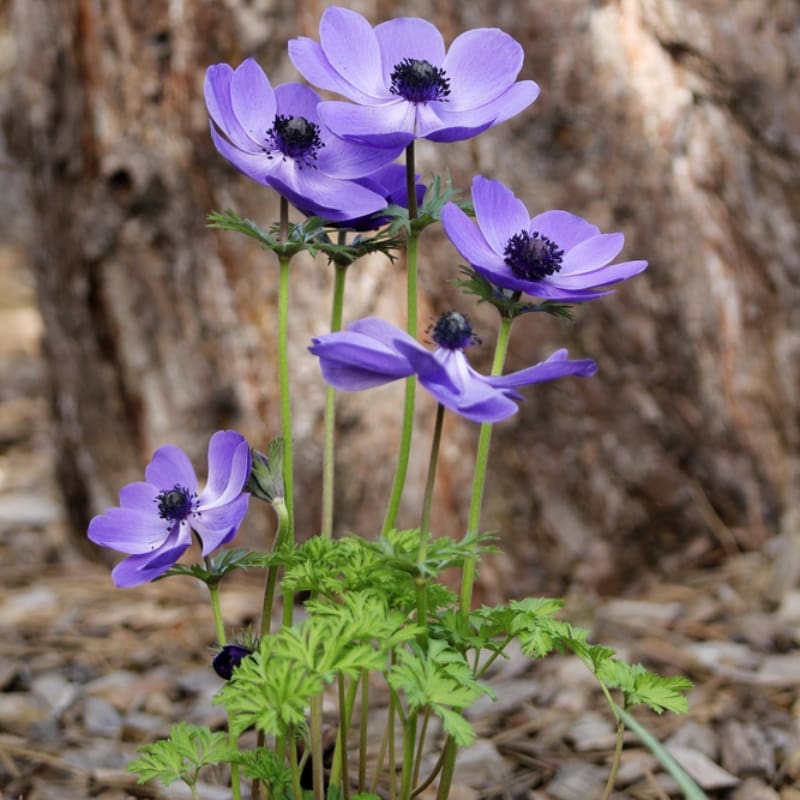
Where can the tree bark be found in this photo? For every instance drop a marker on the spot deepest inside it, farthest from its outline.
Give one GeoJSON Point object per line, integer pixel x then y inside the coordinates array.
{"type": "Point", "coordinates": [673, 121]}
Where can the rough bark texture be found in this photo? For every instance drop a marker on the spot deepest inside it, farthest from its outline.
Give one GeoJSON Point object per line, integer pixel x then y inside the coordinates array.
{"type": "Point", "coordinates": [676, 122]}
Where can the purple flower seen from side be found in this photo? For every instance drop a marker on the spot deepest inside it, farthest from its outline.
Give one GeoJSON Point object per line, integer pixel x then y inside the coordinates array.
{"type": "Point", "coordinates": [390, 182]}
{"type": "Point", "coordinates": [155, 518]}
{"type": "Point", "coordinates": [275, 137]}
{"type": "Point", "coordinates": [405, 84]}
{"type": "Point", "coordinates": [372, 352]}
{"type": "Point", "coordinates": [556, 255]}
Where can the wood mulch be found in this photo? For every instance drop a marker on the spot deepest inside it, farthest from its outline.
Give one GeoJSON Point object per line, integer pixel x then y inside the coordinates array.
{"type": "Point", "coordinates": [89, 672]}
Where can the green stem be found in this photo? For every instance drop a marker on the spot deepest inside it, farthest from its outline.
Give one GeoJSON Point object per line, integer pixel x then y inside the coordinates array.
{"type": "Point", "coordinates": [612, 775]}
{"type": "Point", "coordinates": [420, 747]}
{"type": "Point", "coordinates": [407, 429]}
{"type": "Point", "coordinates": [272, 573]}
{"type": "Point", "coordinates": [213, 591]}
{"type": "Point", "coordinates": [318, 768]}
{"type": "Point", "coordinates": [340, 766]}
{"type": "Point", "coordinates": [293, 765]}
{"type": "Point", "coordinates": [448, 768]}
{"type": "Point", "coordinates": [285, 398]}
{"type": "Point", "coordinates": [421, 581]}
{"type": "Point", "coordinates": [363, 728]}
{"type": "Point", "coordinates": [409, 739]}
{"type": "Point", "coordinates": [479, 476]}
{"type": "Point", "coordinates": [329, 462]}
{"type": "Point", "coordinates": [288, 610]}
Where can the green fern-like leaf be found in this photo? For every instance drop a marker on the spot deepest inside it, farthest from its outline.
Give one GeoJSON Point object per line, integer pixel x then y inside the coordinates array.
{"type": "Point", "coordinates": [181, 756]}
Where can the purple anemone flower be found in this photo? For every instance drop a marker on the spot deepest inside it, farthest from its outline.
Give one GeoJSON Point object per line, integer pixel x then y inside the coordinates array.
{"type": "Point", "coordinates": [405, 84]}
{"type": "Point", "coordinates": [155, 517]}
{"type": "Point", "coordinates": [275, 137]}
{"type": "Point", "coordinates": [372, 352]}
{"type": "Point", "coordinates": [556, 255]}
{"type": "Point", "coordinates": [390, 182]}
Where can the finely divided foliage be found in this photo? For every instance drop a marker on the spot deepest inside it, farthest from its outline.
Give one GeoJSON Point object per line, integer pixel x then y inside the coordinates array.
{"type": "Point", "coordinates": [342, 615]}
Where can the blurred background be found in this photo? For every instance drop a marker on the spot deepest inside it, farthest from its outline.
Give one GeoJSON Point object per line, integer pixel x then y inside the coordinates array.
{"type": "Point", "coordinates": [677, 122]}
{"type": "Point", "coordinates": [661, 497]}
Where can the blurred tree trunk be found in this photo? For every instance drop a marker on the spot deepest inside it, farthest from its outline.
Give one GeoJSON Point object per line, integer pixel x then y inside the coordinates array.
{"type": "Point", "coordinates": [675, 121]}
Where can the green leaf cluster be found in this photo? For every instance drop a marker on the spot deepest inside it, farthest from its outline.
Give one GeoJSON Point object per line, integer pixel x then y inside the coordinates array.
{"type": "Point", "coordinates": [311, 235]}
{"type": "Point", "coordinates": [507, 302]}
{"type": "Point", "coordinates": [188, 749]}
{"type": "Point", "coordinates": [439, 679]}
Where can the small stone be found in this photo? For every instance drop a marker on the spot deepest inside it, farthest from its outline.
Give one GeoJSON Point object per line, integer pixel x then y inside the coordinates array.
{"type": "Point", "coordinates": [754, 789]}
{"type": "Point", "coordinates": [585, 781]}
{"type": "Point", "coordinates": [696, 737]}
{"type": "Point", "coordinates": [100, 718]}
{"type": "Point", "coordinates": [705, 772]}
{"type": "Point", "coordinates": [19, 711]}
{"type": "Point", "coordinates": [592, 731]}
{"type": "Point", "coordinates": [480, 765]}
{"type": "Point", "coordinates": [56, 691]}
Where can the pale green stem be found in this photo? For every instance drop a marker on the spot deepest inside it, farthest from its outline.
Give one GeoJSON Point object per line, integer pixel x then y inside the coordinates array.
{"type": "Point", "coordinates": [213, 591]}
{"type": "Point", "coordinates": [288, 610]}
{"type": "Point", "coordinates": [329, 462]}
{"type": "Point", "coordinates": [272, 572]}
{"type": "Point", "coordinates": [285, 397]}
{"type": "Point", "coordinates": [407, 428]}
{"type": "Point", "coordinates": [340, 766]}
{"type": "Point", "coordinates": [266, 607]}
{"type": "Point", "coordinates": [421, 581]}
{"type": "Point", "coordinates": [293, 765]}
{"type": "Point", "coordinates": [612, 775]}
{"type": "Point", "coordinates": [479, 476]}
{"type": "Point", "coordinates": [409, 739]}
{"type": "Point", "coordinates": [420, 747]}
{"type": "Point", "coordinates": [318, 768]}
{"type": "Point", "coordinates": [363, 728]}
{"type": "Point", "coordinates": [448, 768]}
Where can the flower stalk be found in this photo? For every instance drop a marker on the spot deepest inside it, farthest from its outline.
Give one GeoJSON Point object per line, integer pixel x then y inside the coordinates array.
{"type": "Point", "coordinates": [407, 428]}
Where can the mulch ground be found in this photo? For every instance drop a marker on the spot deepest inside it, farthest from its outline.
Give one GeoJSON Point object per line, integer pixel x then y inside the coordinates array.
{"type": "Point", "coordinates": [88, 672]}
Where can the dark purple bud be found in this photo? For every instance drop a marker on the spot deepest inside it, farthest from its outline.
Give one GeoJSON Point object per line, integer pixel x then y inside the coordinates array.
{"type": "Point", "coordinates": [226, 661]}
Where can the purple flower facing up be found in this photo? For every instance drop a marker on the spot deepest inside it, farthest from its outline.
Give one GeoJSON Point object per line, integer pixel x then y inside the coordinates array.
{"type": "Point", "coordinates": [155, 517]}
{"type": "Point", "coordinates": [556, 255]}
{"type": "Point", "coordinates": [275, 137]}
{"type": "Point", "coordinates": [372, 352]}
{"type": "Point", "coordinates": [405, 84]}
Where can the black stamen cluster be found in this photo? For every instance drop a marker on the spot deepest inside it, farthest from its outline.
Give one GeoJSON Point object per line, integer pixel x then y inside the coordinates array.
{"type": "Point", "coordinates": [294, 137]}
{"type": "Point", "coordinates": [453, 331]}
{"type": "Point", "coordinates": [175, 503]}
{"type": "Point", "coordinates": [418, 81]}
{"type": "Point", "coordinates": [532, 256]}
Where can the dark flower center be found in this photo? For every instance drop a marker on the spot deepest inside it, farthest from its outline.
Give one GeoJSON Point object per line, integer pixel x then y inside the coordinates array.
{"type": "Point", "coordinates": [418, 81]}
{"type": "Point", "coordinates": [453, 331]}
{"type": "Point", "coordinates": [175, 504]}
{"type": "Point", "coordinates": [532, 256]}
{"type": "Point", "coordinates": [295, 138]}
